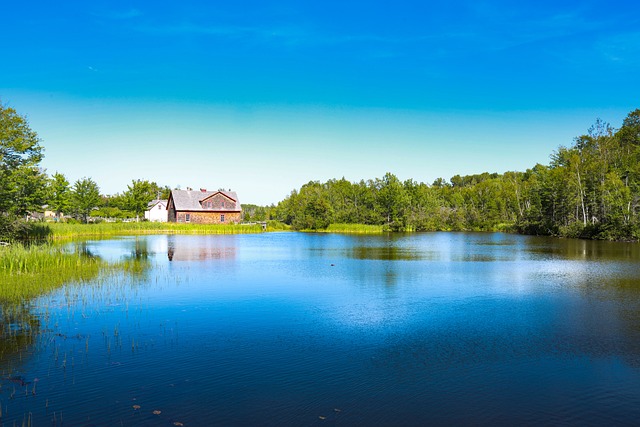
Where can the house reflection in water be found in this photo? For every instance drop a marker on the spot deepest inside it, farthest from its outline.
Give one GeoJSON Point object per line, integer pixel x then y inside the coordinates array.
{"type": "Point", "coordinates": [200, 248]}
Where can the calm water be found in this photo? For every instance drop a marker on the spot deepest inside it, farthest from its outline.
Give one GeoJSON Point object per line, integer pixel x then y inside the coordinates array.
{"type": "Point", "coordinates": [318, 329]}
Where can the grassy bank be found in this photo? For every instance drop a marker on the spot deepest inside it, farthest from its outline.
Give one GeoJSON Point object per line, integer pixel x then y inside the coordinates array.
{"type": "Point", "coordinates": [68, 231]}
{"type": "Point", "coordinates": [28, 272]}
{"type": "Point", "coordinates": [354, 229]}
{"type": "Point", "coordinates": [379, 229]}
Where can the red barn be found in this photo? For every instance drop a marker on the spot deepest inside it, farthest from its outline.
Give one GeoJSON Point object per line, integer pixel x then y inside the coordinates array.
{"type": "Point", "coordinates": [204, 207]}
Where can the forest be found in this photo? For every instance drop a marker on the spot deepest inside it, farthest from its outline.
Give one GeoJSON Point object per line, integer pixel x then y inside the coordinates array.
{"type": "Point", "coordinates": [588, 190]}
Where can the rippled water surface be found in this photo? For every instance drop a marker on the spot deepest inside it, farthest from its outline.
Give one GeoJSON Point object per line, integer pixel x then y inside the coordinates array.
{"type": "Point", "coordinates": [321, 329]}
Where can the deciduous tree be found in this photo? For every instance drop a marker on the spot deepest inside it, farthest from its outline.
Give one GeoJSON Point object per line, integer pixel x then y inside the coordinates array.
{"type": "Point", "coordinates": [85, 197]}
{"type": "Point", "coordinates": [59, 194]}
{"type": "Point", "coordinates": [22, 182]}
{"type": "Point", "coordinates": [138, 196]}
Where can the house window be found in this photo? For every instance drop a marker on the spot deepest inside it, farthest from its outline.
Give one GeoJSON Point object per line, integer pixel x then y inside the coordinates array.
{"type": "Point", "coordinates": [221, 218]}
{"type": "Point", "coordinates": [223, 203]}
{"type": "Point", "coordinates": [159, 207]}
{"type": "Point", "coordinates": [187, 217]}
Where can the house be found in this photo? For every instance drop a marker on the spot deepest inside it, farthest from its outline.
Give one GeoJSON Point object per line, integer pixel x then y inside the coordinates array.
{"type": "Point", "coordinates": [45, 214]}
{"type": "Point", "coordinates": [156, 211]}
{"type": "Point", "coordinates": [204, 207]}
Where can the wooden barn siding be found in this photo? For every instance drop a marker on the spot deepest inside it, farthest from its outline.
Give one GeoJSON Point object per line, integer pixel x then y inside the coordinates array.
{"type": "Point", "coordinates": [217, 200]}
{"type": "Point", "coordinates": [210, 217]}
{"type": "Point", "coordinates": [171, 215]}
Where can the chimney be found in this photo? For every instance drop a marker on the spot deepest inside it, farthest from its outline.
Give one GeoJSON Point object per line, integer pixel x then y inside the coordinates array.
{"type": "Point", "coordinates": [204, 190]}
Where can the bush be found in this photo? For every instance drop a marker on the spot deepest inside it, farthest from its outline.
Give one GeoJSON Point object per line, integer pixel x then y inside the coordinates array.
{"type": "Point", "coordinates": [273, 225]}
{"type": "Point", "coordinates": [14, 229]}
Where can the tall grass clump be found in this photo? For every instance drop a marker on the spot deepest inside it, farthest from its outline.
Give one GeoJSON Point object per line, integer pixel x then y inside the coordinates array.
{"type": "Point", "coordinates": [355, 229]}
{"type": "Point", "coordinates": [14, 229]}
{"type": "Point", "coordinates": [273, 225]}
{"type": "Point", "coordinates": [28, 272]}
{"type": "Point", "coordinates": [68, 231]}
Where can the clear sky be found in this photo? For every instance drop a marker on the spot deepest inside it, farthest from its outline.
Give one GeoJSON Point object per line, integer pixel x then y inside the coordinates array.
{"type": "Point", "coordinates": [262, 97]}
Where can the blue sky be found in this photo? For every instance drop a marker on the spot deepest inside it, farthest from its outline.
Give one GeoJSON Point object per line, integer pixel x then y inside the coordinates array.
{"type": "Point", "coordinates": [262, 97]}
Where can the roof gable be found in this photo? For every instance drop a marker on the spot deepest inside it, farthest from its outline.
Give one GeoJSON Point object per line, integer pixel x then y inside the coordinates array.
{"type": "Point", "coordinates": [152, 204]}
{"type": "Point", "coordinates": [190, 200]}
{"type": "Point", "coordinates": [225, 194]}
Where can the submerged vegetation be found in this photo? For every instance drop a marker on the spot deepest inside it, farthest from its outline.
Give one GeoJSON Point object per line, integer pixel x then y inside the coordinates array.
{"type": "Point", "coordinates": [589, 190]}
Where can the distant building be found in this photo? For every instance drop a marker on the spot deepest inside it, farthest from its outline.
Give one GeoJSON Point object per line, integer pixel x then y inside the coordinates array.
{"type": "Point", "coordinates": [204, 207]}
{"type": "Point", "coordinates": [156, 211]}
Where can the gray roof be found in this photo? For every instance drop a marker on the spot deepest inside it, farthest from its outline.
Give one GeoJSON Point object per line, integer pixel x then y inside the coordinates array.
{"type": "Point", "coordinates": [155, 202]}
{"type": "Point", "coordinates": [189, 200]}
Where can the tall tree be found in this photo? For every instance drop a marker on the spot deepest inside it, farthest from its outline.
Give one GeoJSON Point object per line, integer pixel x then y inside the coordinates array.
{"type": "Point", "coordinates": [22, 182]}
{"type": "Point", "coordinates": [59, 194]}
{"type": "Point", "coordinates": [138, 196]}
{"type": "Point", "coordinates": [85, 197]}
{"type": "Point", "coordinates": [393, 201]}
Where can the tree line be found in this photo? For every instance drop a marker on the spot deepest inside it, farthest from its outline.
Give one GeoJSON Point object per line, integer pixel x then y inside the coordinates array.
{"type": "Point", "coordinates": [83, 200]}
{"type": "Point", "coordinates": [26, 188]}
{"type": "Point", "coordinates": [590, 189]}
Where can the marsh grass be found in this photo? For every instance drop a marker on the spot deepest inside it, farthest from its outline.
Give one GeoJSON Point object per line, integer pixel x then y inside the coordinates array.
{"type": "Point", "coordinates": [68, 231]}
{"type": "Point", "coordinates": [273, 225]}
{"type": "Point", "coordinates": [31, 271]}
{"type": "Point", "coordinates": [354, 229]}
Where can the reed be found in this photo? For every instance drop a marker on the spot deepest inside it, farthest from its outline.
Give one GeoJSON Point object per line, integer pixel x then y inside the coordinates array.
{"type": "Point", "coordinates": [273, 225]}
{"type": "Point", "coordinates": [354, 229]}
{"type": "Point", "coordinates": [28, 272]}
{"type": "Point", "coordinates": [67, 231]}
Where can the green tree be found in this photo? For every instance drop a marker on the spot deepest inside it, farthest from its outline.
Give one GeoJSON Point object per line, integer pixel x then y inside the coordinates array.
{"type": "Point", "coordinates": [85, 197]}
{"type": "Point", "coordinates": [22, 182]}
{"type": "Point", "coordinates": [310, 208]}
{"type": "Point", "coordinates": [138, 196]}
{"type": "Point", "coordinates": [59, 194]}
{"type": "Point", "coordinates": [392, 201]}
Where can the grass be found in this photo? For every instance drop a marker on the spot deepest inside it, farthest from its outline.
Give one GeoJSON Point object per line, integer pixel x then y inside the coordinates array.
{"type": "Point", "coordinates": [28, 272]}
{"type": "Point", "coordinates": [67, 231]}
{"type": "Point", "coordinates": [273, 225]}
{"type": "Point", "coordinates": [354, 229]}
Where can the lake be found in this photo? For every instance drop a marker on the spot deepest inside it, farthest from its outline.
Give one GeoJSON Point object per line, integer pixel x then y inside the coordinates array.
{"type": "Point", "coordinates": [328, 329]}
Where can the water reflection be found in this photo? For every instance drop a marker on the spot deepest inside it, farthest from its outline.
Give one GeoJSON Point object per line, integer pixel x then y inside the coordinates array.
{"type": "Point", "coordinates": [384, 328]}
{"type": "Point", "coordinates": [180, 248]}
{"type": "Point", "coordinates": [83, 247]}
{"type": "Point", "coordinates": [18, 329]}
{"type": "Point", "coordinates": [583, 249]}
{"type": "Point", "coordinates": [387, 253]}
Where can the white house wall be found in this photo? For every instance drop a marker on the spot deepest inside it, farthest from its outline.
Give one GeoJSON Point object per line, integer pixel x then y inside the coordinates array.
{"type": "Point", "coordinates": [158, 213]}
